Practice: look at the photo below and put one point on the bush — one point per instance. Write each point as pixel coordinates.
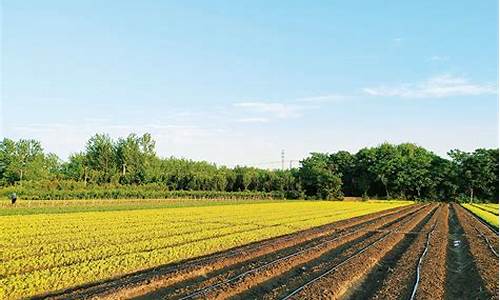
(41, 190)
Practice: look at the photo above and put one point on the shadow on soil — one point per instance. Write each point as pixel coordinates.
(462, 279)
(366, 288)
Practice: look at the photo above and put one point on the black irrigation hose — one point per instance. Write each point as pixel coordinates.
(481, 233)
(420, 260)
(495, 230)
(140, 276)
(299, 289)
(487, 241)
(203, 290)
(333, 269)
(213, 286)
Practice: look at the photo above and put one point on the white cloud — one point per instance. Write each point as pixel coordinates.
(263, 111)
(253, 120)
(274, 109)
(397, 40)
(323, 99)
(439, 58)
(65, 139)
(435, 87)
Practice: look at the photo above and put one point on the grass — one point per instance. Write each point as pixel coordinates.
(74, 242)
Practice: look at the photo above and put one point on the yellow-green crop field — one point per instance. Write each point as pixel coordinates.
(492, 208)
(485, 212)
(58, 249)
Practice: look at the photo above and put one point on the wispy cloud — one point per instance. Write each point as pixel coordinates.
(253, 120)
(435, 87)
(323, 98)
(439, 58)
(397, 40)
(273, 109)
(264, 111)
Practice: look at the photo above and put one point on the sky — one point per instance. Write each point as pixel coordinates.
(235, 82)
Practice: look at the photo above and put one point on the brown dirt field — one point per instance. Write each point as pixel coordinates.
(268, 267)
(368, 257)
(485, 260)
(463, 280)
(339, 280)
(433, 271)
(400, 280)
(307, 261)
(150, 280)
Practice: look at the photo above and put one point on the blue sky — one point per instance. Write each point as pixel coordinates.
(237, 81)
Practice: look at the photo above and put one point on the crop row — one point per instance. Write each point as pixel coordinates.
(488, 217)
(57, 251)
(123, 242)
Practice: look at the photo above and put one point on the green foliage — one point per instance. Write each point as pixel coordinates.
(128, 167)
(478, 173)
(319, 178)
(25, 160)
(59, 190)
(49, 252)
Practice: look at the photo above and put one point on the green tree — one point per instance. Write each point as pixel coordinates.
(133, 156)
(343, 164)
(318, 178)
(477, 173)
(76, 168)
(413, 170)
(101, 158)
(363, 176)
(25, 160)
(384, 166)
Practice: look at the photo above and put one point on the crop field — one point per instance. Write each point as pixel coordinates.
(54, 245)
(486, 212)
(264, 250)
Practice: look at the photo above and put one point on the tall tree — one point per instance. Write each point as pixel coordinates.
(133, 155)
(101, 158)
(343, 164)
(318, 178)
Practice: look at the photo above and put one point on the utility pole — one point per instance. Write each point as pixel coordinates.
(282, 160)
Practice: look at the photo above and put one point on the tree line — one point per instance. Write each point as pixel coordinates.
(404, 171)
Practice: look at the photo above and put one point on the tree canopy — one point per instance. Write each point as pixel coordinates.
(404, 171)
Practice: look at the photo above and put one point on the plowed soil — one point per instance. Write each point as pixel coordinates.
(481, 240)
(377, 256)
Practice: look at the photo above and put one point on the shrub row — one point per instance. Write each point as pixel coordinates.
(76, 190)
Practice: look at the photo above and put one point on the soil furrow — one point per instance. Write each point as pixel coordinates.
(149, 280)
(462, 278)
(397, 270)
(335, 282)
(485, 261)
(252, 273)
(433, 271)
(301, 273)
